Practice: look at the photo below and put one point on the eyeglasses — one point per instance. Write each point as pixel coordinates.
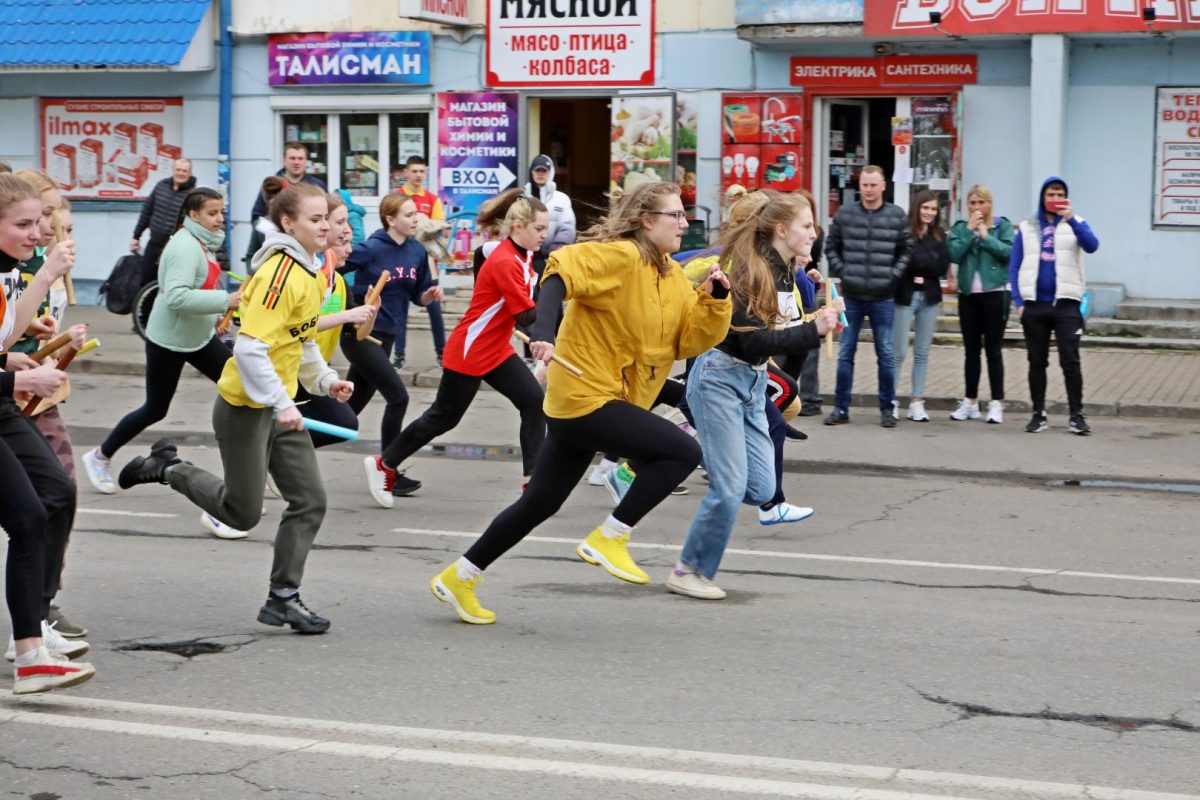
(680, 216)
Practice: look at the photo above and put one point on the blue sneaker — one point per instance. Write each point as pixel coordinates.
(618, 481)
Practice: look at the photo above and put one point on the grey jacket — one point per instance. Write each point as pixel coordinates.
(868, 250)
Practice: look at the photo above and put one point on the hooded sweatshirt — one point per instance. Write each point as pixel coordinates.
(407, 265)
(562, 215)
(1047, 224)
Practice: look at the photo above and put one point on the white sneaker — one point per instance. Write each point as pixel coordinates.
(995, 413)
(783, 512)
(54, 642)
(916, 411)
(596, 476)
(379, 481)
(99, 472)
(220, 529)
(966, 410)
(272, 488)
(693, 584)
(49, 672)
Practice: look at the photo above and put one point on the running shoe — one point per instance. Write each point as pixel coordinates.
(49, 672)
(966, 410)
(55, 644)
(63, 625)
(613, 555)
(403, 486)
(1037, 423)
(279, 611)
(916, 411)
(783, 512)
(1078, 424)
(151, 468)
(995, 412)
(810, 410)
(795, 434)
(618, 481)
(680, 490)
(99, 472)
(887, 419)
(449, 588)
(693, 584)
(837, 417)
(380, 480)
(596, 476)
(220, 529)
(398, 361)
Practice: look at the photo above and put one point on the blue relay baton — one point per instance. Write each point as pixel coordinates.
(330, 430)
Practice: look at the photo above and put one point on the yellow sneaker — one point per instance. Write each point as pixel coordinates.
(449, 588)
(613, 555)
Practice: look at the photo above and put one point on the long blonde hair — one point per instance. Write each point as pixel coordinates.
(745, 247)
(625, 221)
(983, 191)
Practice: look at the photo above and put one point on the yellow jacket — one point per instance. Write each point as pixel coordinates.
(625, 326)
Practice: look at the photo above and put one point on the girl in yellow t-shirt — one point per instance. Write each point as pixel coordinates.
(632, 314)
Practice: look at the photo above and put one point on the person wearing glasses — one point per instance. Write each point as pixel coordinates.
(633, 313)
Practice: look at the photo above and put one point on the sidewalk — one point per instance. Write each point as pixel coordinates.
(1137, 383)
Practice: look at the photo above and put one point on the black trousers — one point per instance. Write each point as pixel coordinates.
(661, 454)
(37, 512)
(1063, 321)
(371, 370)
(150, 256)
(455, 393)
(163, 368)
(982, 316)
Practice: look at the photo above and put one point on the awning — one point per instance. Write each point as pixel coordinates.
(103, 34)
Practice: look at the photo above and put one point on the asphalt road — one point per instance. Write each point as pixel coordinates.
(953, 622)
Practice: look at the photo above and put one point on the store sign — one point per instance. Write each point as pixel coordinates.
(989, 17)
(762, 141)
(1177, 157)
(477, 147)
(885, 71)
(373, 57)
(445, 12)
(114, 149)
(570, 43)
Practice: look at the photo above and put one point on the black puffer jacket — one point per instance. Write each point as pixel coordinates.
(868, 250)
(161, 212)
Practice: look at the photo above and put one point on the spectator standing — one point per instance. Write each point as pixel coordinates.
(430, 205)
(1046, 268)
(919, 295)
(541, 186)
(295, 170)
(160, 216)
(981, 246)
(868, 249)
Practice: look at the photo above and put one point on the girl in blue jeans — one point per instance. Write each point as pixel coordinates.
(726, 390)
(919, 296)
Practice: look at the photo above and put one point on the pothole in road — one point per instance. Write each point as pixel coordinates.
(189, 648)
(1139, 486)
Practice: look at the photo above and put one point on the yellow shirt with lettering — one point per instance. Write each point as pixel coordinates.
(625, 327)
(280, 305)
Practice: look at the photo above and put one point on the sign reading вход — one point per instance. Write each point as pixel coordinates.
(570, 43)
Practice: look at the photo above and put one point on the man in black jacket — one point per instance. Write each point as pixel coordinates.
(160, 215)
(868, 248)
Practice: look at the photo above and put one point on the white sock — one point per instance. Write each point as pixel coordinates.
(28, 657)
(682, 568)
(466, 570)
(284, 593)
(613, 528)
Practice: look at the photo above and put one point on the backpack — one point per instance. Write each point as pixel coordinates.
(123, 284)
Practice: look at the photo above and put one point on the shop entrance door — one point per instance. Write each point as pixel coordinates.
(854, 132)
(574, 132)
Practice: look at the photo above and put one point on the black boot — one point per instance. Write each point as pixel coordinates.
(151, 468)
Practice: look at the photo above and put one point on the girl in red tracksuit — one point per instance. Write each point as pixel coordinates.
(480, 347)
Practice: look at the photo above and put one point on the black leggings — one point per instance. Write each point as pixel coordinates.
(371, 371)
(163, 368)
(325, 409)
(455, 393)
(37, 512)
(672, 394)
(983, 315)
(777, 429)
(661, 454)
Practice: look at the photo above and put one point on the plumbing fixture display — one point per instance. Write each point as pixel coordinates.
(762, 140)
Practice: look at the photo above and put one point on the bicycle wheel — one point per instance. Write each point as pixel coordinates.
(142, 306)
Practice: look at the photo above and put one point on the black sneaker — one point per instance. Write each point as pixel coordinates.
(404, 485)
(887, 420)
(1038, 423)
(810, 410)
(1078, 424)
(795, 435)
(837, 417)
(398, 361)
(151, 468)
(280, 611)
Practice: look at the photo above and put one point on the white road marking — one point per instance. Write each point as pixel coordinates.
(41, 711)
(115, 513)
(890, 562)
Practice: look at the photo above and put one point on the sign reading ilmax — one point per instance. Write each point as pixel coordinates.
(570, 43)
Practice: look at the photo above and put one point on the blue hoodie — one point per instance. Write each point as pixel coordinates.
(408, 264)
(1047, 282)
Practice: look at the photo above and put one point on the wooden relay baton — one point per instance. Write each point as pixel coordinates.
(362, 329)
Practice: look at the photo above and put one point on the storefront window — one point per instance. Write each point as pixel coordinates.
(407, 139)
(313, 131)
(933, 144)
(360, 154)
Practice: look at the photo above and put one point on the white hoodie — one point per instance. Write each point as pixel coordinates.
(562, 215)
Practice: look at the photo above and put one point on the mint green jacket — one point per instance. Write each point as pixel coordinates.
(986, 256)
(184, 315)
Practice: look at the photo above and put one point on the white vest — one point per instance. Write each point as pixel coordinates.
(1070, 274)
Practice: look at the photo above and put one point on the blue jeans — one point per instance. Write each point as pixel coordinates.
(881, 313)
(727, 398)
(926, 316)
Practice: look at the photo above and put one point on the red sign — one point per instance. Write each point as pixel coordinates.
(885, 71)
(989, 17)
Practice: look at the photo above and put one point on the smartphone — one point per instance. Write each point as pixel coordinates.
(1054, 206)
